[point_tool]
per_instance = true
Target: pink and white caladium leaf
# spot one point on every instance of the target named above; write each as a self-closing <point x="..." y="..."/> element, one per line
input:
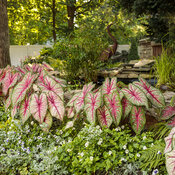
<point x="21" y="70"/>
<point x="47" y="123"/>
<point x="41" y="76"/>
<point x="135" y="95"/>
<point x="168" y="112"/>
<point x="108" y="86"/>
<point x="8" y="101"/>
<point x="47" y="66"/>
<point x="72" y="100"/>
<point x="152" y="93"/>
<point x="60" y="81"/>
<point x="9" y="81"/>
<point x="19" y="92"/>
<point x="79" y="102"/>
<point x="24" y="111"/>
<point x="27" y="67"/>
<point x="126" y="107"/>
<point x="50" y="85"/>
<point x="14" y="111"/>
<point x="38" y="106"/>
<point x="70" y="112"/>
<point x="169" y="141"/>
<point x="104" y="116"/>
<point x="56" y="105"/>
<point x="92" y="102"/>
<point x="113" y="103"/>
<point x="170" y="162"/>
<point x="171" y="123"/>
<point x="35" y="67"/>
<point x="137" y="119"/>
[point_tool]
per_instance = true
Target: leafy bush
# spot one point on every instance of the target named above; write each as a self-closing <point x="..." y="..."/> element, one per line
<point x="109" y="104"/>
<point x="133" y="51"/>
<point x="33" y="91"/>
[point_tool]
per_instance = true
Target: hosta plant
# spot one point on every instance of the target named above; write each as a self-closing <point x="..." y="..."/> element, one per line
<point x="112" y="103"/>
<point x="33" y="91"/>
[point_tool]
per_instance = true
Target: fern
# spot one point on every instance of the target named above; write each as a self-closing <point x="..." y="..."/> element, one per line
<point x="153" y="157"/>
<point x="160" y="130"/>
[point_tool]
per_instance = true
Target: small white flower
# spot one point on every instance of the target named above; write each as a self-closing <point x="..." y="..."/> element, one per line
<point x="144" y="137"/>
<point x="124" y="147"/>
<point x="99" y="143"/>
<point x="123" y="159"/>
<point x="61" y="132"/>
<point x="117" y="129"/>
<point x="98" y="127"/>
<point x="156" y="171"/>
<point x="86" y="144"/>
<point x="158" y="152"/>
<point x="138" y="155"/>
<point x="122" y="126"/>
<point x="110" y="152"/>
<point x="126" y="151"/>
<point x="152" y="144"/>
<point x="68" y="150"/>
<point x="91" y="158"/>
<point x="82" y="154"/>
<point x="144" y="148"/>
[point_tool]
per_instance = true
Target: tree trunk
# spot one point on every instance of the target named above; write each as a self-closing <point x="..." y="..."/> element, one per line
<point x="71" y="14"/>
<point x="4" y="35"/>
<point x="54" y="20"/>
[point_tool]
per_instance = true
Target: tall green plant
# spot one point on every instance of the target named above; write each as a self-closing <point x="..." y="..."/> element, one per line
<point x="165" y="68"/>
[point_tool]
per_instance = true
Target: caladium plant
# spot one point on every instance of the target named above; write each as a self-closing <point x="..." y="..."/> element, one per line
<point x="170" y="152"/>
<point x="33" y="91"/>
<point x="111" y="103"/>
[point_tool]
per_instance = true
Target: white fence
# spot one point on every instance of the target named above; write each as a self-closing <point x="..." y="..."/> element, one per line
<point x="19" y="53"/>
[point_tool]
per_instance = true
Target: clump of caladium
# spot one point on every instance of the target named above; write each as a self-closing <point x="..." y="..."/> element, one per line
<point x="110" y="103"/>
<point x="170" y="152"/>
<point x="33" y="92"/>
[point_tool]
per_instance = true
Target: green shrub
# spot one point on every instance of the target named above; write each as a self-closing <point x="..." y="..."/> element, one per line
<point x="133" y="51"/>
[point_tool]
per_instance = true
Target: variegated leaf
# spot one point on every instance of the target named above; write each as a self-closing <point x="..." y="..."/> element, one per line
<point x="9" y="81"/>
<point x="170" y="162"/>
<point x="38" y="106"/>
<point x="56" y="105"/>
<point x="14" y="111"/>
<point x="72" y="100"/>
<point x="108" y="86"/>
<point x="104" y="116"/>
<point x="21" y="70"/>
<point x="9" y="99"/>
<point x="24" y="111"/>
<point x="135" y="95"/>
<point x="47" y="66"/>
<point x="168" y="141"/>
<point x="153" y="94"/>
<point x="79" y="102"/>
<point x="21" y="88"/>
<point x="50" y="85"/>
<point x="92" y="102"/>
<point x="70" y="112"/>
<point x="113" y="103"/>
<point x="60" y="81"/>
<point x="126" y="107"/>
<point x="137" y="119"/>
<point x="168" y="112"/>
<point x="47" y="123"/>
